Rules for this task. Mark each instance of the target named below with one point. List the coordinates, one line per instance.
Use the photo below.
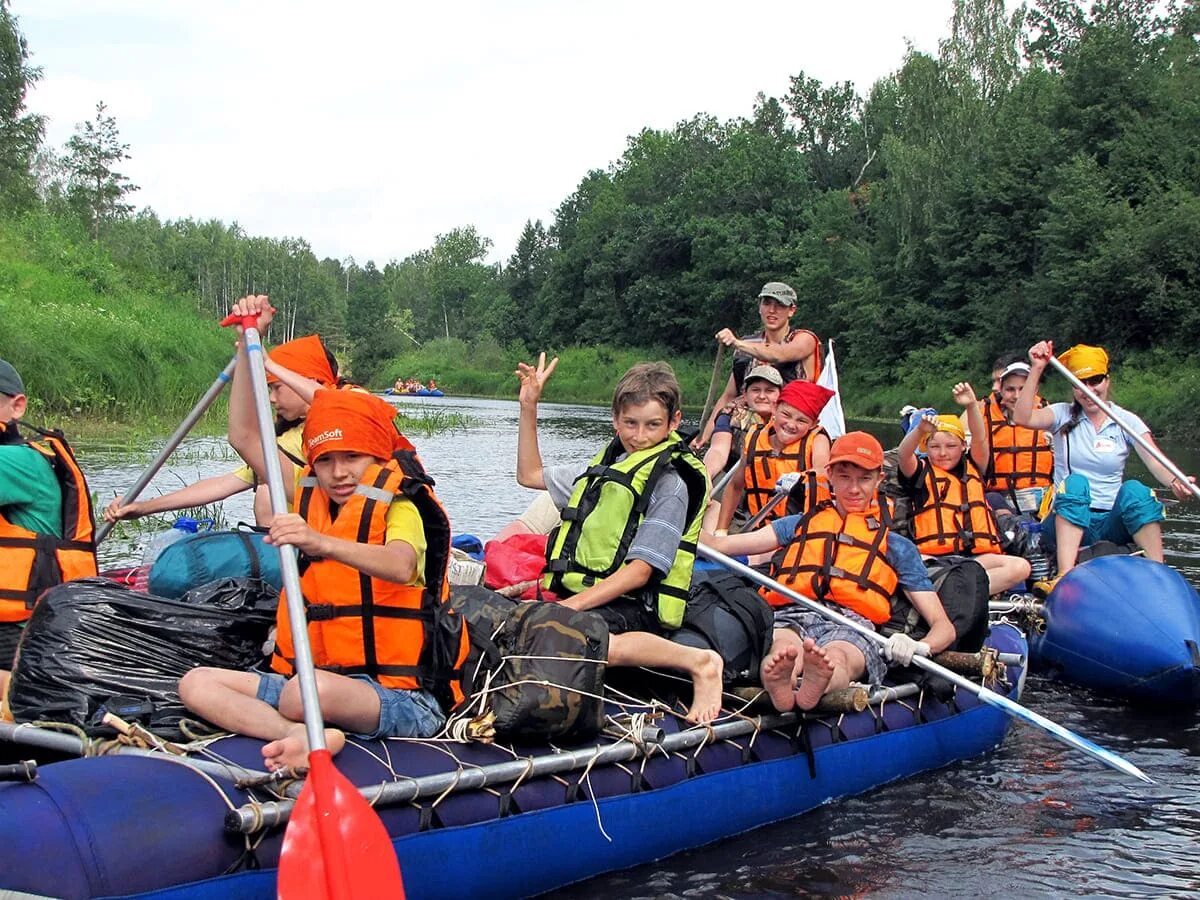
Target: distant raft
(476, 819)
(1124, 625)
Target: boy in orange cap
(840, 552)
(950, 512)
(374, 544)
(791, 441)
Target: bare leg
(227, 699)
(1149, 538)
(1068, 538)
(640, 648)
(781, 668)
(4, 676)
(1004, 572)
(828, 668)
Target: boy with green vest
(631, 517)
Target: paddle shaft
(984, 694)
(1137, 438)
(717, 372)
(314, 724)
(173, 441)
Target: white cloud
(369, 127)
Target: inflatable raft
(475, 819)
(1123, 625)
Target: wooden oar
(984, 694)
(335, 845)
(717, 372)
(1137, 438)
(173, 441)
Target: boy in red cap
(374, 545)
(840, 552)
(791, 441)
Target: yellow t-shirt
(292, 441)
(404, 524)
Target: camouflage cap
(779, 291)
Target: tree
(20, 132)
(97, 190)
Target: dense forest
(1039, 176)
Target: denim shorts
(826, 631)
(402, 713)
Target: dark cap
(10, 381)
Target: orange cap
(305, 356)
(351, 421)
(859, 448)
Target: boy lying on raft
(364, 508)
(840, 552)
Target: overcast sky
(368, 127)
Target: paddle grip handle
(248, 321)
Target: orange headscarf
(305, 356)
(351, 421)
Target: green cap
(10, 381)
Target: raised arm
(1025, 411)
(981, 441)
(529, 455)
(908, 446)
(243, 420)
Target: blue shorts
(826, 631)
(402, 713)
(1135, 507)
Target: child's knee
(291, 705)
(196, 683)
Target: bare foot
(707, 682)
(817, 672)
(779, 677)
(291, 750)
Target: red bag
(515, 560)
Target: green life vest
(603, 515)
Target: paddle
(713, 381)
(984, 694)
(1137, 438)
(335, 844)
(173, 441)
(783, 486)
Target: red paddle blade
(335, 845)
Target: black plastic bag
(92, 641)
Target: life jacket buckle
(320, 612)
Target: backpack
(538, 667)
(962, 586)
(212, 555)
(732, 618)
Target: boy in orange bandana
(364, 508)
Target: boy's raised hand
(928, 424)
(255, 305)
(964, 394)
(533, 380)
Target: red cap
(805, 396)
(859, 448)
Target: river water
(1032, 819)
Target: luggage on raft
(212, 555)
(1125, 625)
(91, 642)
(122, 825)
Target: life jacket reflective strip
(764, 465)
(836, 559)
(33, 562)
(358, 624)
(956, 517)
(1021, 457)
(789, 371)
(604, 513)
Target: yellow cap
(1085, 361)
(950, 425)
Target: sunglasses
(1094, 381)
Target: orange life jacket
(1021, 457)
(840, 560)
(32, 562)
(358, 624)
(764, 465)
(956, 517)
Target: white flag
(832, 419)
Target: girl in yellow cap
(1092, 502)
(951, 516)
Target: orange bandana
(353, 422)
(305, 356)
